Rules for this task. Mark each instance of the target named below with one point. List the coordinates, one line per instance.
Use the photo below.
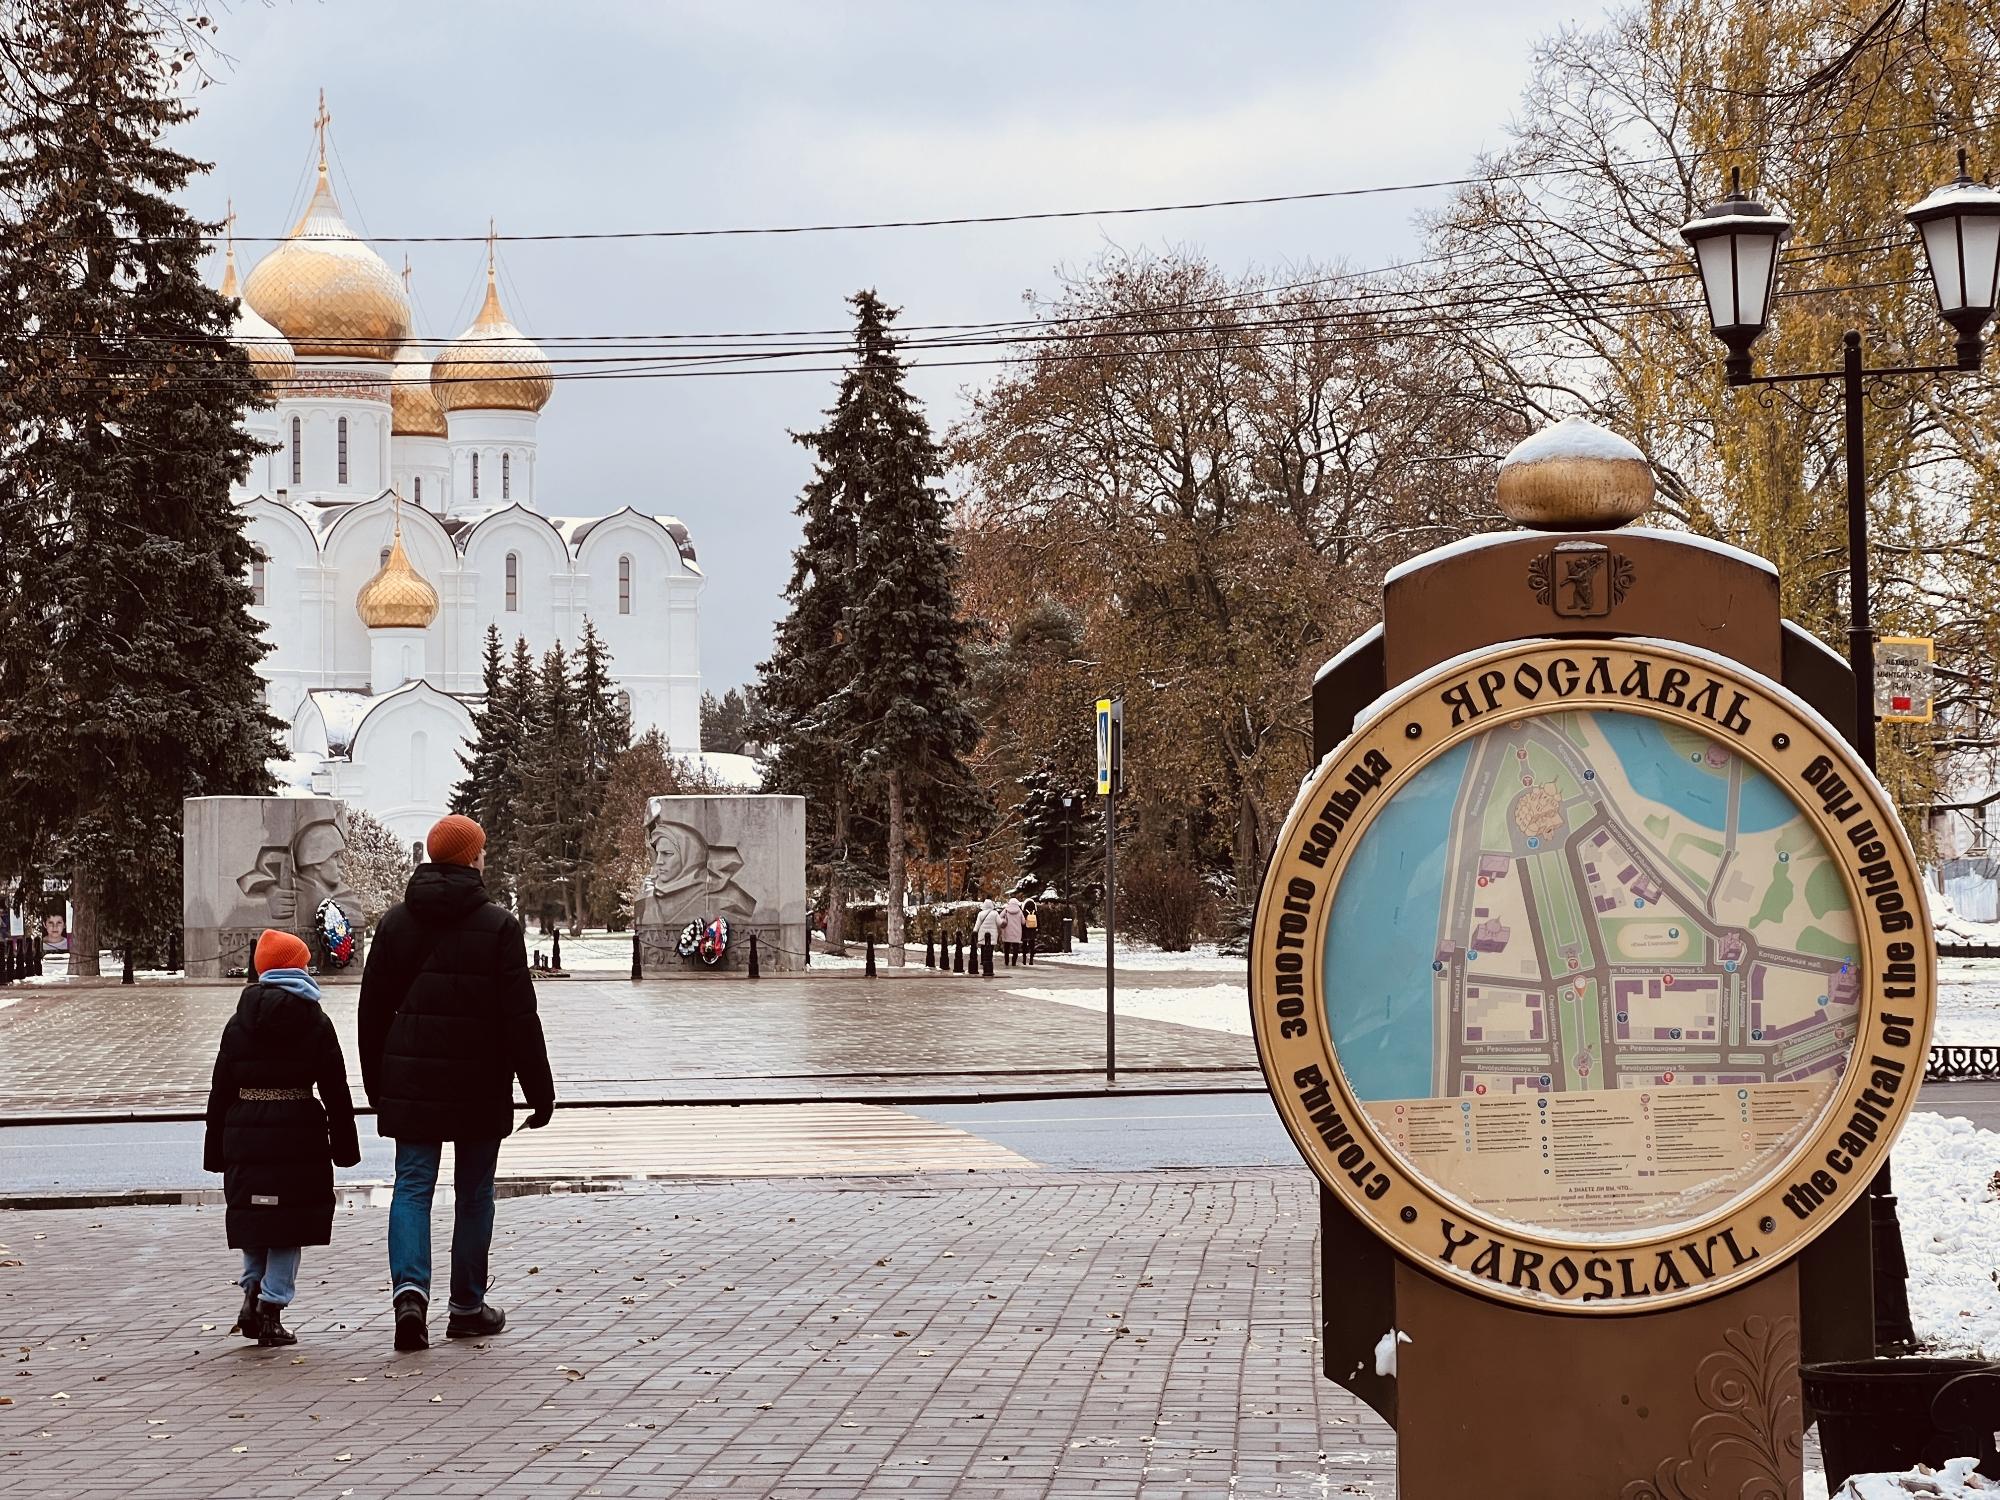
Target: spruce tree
(487, 753)
(605, 717)
(903, 701)
(127, 654)
(812, 747)
(1041, 817)
(494, 800)
(551, 819)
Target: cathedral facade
(402, 511)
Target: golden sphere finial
(1574, 476)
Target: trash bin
(1880, 1416)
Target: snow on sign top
(1572, 437)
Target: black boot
(487, 1321)
(249, 1322)
(413, 1329)
(271, 1332)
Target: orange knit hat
(455, 840)
(281, 950)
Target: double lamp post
(1735, 243)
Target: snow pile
(1572, 437)
(1385, 1351)
(1202, 957)
(1950, 1209)
(1957, 1478)
(1213, 1007)
(1951, 927)
(1968, 1005)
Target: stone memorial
(738, 859)
(248, 863)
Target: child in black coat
(274, 1143)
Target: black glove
(541, 1117)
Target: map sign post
(1110, 776)
(1592, 977)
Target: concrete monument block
(248, 863)
(741, 858)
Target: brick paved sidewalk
(982, 1336)
(81, 1048)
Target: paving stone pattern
(71, 1048)
(999, 1336)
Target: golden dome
(398, 596)
(327, 291)
(413, 405)
(493, 366)
(270, 355)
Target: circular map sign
(1593, 976)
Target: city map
(1640, 965)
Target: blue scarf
(298, 981)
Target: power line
(1118, 211)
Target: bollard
(36, 967)
(174, 951)
(958, 954)
(870, 971)
(638, 969)
(753, 957)
(555, 959)
(930, 952)
(986, 958)
(127, 978)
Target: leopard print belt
(262, 1094)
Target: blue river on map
(1382, 934)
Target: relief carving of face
(294, 878)
(686, 867)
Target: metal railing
(20, 958)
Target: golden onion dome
(493, 366)
(270, 355)
(327, 291)
(398, 597)
(413, 405)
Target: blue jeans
(275, 1274)
(472, 1219)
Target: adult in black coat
(448, 1021)
(274, 1143)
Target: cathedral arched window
(513, 582)
(419, 496)
(257, 578)
(298, 452)
(475, 476)
(385, 555)
(341, 449)
(506, 476)
(625, 585)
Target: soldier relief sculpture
(690, 873)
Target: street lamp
(1735, 243)
(1067, 800)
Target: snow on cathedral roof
(320, 517)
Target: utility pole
(1110, 772)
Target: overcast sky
(625, 114)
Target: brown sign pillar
(1592, 1174)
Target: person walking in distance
(1030, 929)
(1011, 918)
(447, 1022)
(274, 1143)
(985, 933)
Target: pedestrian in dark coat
(275, 1144)
(448, 1022)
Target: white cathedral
(401, 513)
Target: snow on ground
(1968, 1012)
(1137, 956)
(1957, 1480)
(1948, 1197)
(1213, 1007)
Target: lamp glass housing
(1960, 226)
(1735, 244)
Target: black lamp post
(1735, 244)
(1067, 800)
